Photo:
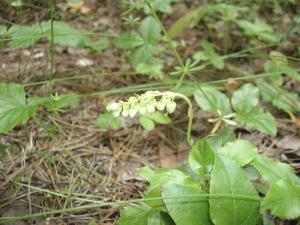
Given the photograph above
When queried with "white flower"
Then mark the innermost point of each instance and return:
(133, 110)
(160, 105)
(171, 106)
(113, 106)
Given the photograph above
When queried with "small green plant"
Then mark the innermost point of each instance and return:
(230, 185)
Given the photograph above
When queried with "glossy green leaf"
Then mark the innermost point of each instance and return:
(241, 151)
(14, 109)
(150, 30)
(201, 158)
(129, 40)
(229, 179)
(162, 177)
(273, 171)
(210, 99)
(108, 121)
(245, 98)
(191, 208)
(262, 121)
(283, 200)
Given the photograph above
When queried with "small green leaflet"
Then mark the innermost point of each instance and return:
(211, 99)
(245, 98)
(148, 121)
(283, 200)
(108, 121)
(260, 120)
(129, 40)
(23, 36)
(14, 109)
(201, 158)
(150, 30)
(229, 179)
(274, 171)
(58, 103)
(161, 5)
(209, 54)
(241, 151)
(191, 208)
(259, 29)
(280, 98)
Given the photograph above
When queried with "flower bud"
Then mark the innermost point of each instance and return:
(171, 106)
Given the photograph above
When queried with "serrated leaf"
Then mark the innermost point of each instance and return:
(58, 103)
(262, 121)
(188, 209)
(280, 98)
(147, 123)
(275, 73)
(283, 200)
(212, 100)
(129, 40)
(241, 151)
(14, 109)
(259, 29)
(150, 30)
(273, 171)
(201, 158)
(108, 121)
(64, 34)
(153, 68)
(229, 179)
(245, 98)
(142, 54)
(23, 36)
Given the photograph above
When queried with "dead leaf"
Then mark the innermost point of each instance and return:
(79, 7)
(231, 86)
(289, 142)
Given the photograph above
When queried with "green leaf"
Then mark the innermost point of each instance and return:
(245, 98)
(13, 107)
(186, 208)
(274, 71)
(161, 5)
(291, 72)
(129, 40)
(212, 100)
(241, 151)
(160, 118)
(64, 34)
(229, 179)
(108, 121)
(280, 98)
(146, 122)
(162, 177)
(23, 36)
(273, 171)
(58, 103)
(210, 55)
(143, 54)
(283, 200)
(221, 138)
(98, 46)
(259, 29)
(201, 158)
(150, 30)
(152, 68)
(136, 215)
(262, 121)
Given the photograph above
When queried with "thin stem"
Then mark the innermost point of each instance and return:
(52, 46)
(168, 38)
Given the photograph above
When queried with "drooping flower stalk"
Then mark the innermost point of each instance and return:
(149, 102)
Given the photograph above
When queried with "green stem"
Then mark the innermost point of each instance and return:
(168, 38)
(5, 220)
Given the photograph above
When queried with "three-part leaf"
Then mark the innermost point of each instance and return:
(240, 204)
(14, 109)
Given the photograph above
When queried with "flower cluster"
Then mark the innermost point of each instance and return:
(145, 103)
